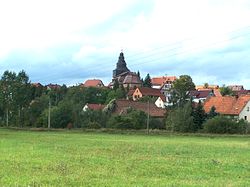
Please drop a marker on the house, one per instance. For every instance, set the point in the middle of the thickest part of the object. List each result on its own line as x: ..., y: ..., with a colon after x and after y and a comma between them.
x: 53, y: 86
x: 236, y: 107
x: 124, y: 76
x: 161, y: 102
x: 164, y: 84
x: 93, y: 83
x: 205, y: 87
x: 236, y: 87
x: 201, y: 95
x: 144, y: 91
x: 241, y: 92
x: 121, y: 107
x: 93, y: 107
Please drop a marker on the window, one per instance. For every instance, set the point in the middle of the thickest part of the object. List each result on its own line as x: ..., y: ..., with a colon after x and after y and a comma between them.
x: 248, y: 108
x: 245, y: 117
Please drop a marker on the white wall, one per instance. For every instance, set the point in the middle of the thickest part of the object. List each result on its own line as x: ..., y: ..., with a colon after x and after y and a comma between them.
x: 245, y: 112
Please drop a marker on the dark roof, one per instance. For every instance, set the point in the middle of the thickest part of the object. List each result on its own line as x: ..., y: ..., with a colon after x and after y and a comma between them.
x: 150, y: 91
x: 123, y: 105
x: 201, y: 93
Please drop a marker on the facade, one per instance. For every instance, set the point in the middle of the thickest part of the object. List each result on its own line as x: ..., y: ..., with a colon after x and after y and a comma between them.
x: 124, y: 76
x: 161, y: 102
x: 236, y: 87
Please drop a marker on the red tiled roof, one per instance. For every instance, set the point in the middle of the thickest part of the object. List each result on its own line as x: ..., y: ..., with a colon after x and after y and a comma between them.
x: 217, y: 92
x: 227, y: 105
x: 161, y: 80
x: 93, y: 83
x: 150, y: 91
x: 36, y: 84
x: 95, y: 106
x: 123, y: 105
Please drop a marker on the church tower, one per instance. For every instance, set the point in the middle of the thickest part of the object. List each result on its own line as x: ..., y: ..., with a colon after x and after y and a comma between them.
x: 121, y: 66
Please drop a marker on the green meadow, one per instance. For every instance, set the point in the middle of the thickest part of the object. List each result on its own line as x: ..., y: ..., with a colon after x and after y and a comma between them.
x: 75, y: 158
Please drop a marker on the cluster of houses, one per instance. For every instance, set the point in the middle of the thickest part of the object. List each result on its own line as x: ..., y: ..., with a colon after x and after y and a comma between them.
x: 236, y: 106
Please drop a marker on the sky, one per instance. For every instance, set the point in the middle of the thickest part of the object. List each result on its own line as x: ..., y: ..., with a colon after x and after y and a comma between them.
x: 69, y: 41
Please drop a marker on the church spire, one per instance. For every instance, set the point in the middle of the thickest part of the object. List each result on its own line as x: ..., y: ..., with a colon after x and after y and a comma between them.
x: 121, y: 65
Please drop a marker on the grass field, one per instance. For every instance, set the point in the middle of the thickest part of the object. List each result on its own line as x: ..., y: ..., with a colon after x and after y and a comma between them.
x: 64, y: 158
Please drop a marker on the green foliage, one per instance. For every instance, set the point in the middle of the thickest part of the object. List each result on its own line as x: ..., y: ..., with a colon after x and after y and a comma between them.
x: 224, y: 90
x: 148, y: 98
x: 93, y: 119
x: 212, y: 113
x: 147, y: 81
x: 116, y: 85
x: 181, y: 88
x: 181, y: 119
x: 222, y: 125
x: 134, y: 119
x: 199, y: 116
x: 155, y: 123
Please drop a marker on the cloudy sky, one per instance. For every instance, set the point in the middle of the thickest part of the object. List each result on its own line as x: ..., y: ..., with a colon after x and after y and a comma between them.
x: 69, y: 41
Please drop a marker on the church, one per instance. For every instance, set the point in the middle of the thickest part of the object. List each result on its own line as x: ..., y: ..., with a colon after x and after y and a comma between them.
x: 124, y: 76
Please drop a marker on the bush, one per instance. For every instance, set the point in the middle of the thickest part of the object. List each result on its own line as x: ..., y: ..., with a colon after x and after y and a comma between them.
x: 155, y: 123
x: 94, y: 125
x: 222, y: 125
x: 134, y: 119
x: 181, y: 119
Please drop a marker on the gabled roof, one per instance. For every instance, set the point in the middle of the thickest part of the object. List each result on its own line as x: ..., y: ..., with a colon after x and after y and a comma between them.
x: 161, y: 80
x: 201, y: 93
x: 227, y: 105
x: 93, y: 83
x: 123, y: 105
x: 95, y: 106
x: 150, y: 92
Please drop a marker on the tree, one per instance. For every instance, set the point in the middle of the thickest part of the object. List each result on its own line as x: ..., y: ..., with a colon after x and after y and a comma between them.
x: 181, y: 119
x: 147, y: 81
x: 224, y: 90
x: 199, y: 115
x: 212, y: 113
x: 116, y: 85
x: 181, y: 88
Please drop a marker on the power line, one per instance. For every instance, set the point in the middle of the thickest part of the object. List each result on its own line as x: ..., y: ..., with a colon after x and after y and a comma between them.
x: 103, y: 67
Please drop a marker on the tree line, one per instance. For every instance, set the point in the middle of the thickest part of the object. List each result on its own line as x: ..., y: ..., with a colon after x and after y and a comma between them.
x: 23, y: 104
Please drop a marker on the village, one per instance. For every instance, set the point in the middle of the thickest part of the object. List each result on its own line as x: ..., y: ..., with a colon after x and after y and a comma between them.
x: 230, y: 100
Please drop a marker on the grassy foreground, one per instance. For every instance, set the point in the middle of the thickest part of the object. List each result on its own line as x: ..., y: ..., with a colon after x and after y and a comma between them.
x: 97, y: 159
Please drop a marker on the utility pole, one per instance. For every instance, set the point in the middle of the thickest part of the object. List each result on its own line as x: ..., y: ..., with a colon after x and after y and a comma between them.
x: 49, y: 114
x: 7, y: 117
x: 148, y: 119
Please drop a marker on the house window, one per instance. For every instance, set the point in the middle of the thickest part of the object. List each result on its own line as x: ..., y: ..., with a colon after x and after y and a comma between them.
x: 245, y: 117
x: 248, y: 108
